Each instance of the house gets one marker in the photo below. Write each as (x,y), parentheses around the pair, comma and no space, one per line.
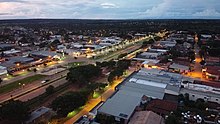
(148,55)
(212,72)
(150,63)
(179,68)
(161,107)
(196,94)
(146,117)
(3,70)
(44,55)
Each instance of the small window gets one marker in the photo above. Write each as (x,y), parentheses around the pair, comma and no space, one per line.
(205,98)
(216,99)
(193,95)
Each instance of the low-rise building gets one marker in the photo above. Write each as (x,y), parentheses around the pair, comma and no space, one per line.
(40,115)
(115,106)
(146,117)
(212,72)
(174,67)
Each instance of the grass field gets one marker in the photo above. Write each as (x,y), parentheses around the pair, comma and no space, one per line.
(16,84)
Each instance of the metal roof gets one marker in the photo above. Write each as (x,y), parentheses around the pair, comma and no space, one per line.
(151,91)
(122,104)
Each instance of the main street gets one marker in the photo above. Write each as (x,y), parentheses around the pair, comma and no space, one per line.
(40,91)
(30,87)
(36,84)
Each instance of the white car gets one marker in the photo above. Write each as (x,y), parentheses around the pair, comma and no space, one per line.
(44,81)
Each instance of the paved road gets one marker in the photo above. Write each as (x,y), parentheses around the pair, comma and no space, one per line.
(22,90)
(69,59)
(40,91)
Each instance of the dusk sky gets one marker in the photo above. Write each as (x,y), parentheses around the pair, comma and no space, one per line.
(110,9)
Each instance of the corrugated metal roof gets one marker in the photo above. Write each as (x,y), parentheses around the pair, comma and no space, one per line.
(122,104)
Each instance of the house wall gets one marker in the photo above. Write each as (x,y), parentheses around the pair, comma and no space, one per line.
(195,96)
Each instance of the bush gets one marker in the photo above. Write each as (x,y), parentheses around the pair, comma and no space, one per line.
(50,90)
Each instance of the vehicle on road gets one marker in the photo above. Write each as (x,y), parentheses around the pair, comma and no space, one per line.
(44,81)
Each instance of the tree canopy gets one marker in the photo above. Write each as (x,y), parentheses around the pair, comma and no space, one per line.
(83,74)
(68,102)
(14,110)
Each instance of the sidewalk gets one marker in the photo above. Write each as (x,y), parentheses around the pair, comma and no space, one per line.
(90,105)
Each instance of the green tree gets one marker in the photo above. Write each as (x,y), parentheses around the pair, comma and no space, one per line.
(1,81)
(114,74)
(123,64)
(191,56)
(83,74)
(14,110)
(50,90)
(68,102)
(172,119)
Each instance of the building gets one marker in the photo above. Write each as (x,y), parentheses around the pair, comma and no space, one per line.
(150,63)
(153,83)
(197,91)
(3,70)
(115,106)
(44,55)
(174,67)
(212,73)
(161,107)
(146,117)
(17,63)
(148,55)
(198,94)
(5,47)
(168,44)
(40,115)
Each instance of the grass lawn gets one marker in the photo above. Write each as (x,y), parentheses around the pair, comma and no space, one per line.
(73,113)
(96,94)
(14,85)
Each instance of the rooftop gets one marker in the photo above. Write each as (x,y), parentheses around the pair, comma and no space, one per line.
(116,106)
(44,53)
(161,106)
(146,117)
(178,66)
(214,70)
(37,113)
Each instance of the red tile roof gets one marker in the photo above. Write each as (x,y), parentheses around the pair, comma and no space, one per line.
(214,70)
(163,107)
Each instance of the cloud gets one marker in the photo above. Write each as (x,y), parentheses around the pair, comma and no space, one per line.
(109,5)
(5,14)
(114,9)
(207,13)
(158,10)
(8,1)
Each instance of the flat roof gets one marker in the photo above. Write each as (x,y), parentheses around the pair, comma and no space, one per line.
(44,53)
(122,104)
(178,66)
(147,82)
(151,61)
(6,45)
(21,59)
(37,113)
(146,117)
(7,64)
(149,91)
(204,93)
